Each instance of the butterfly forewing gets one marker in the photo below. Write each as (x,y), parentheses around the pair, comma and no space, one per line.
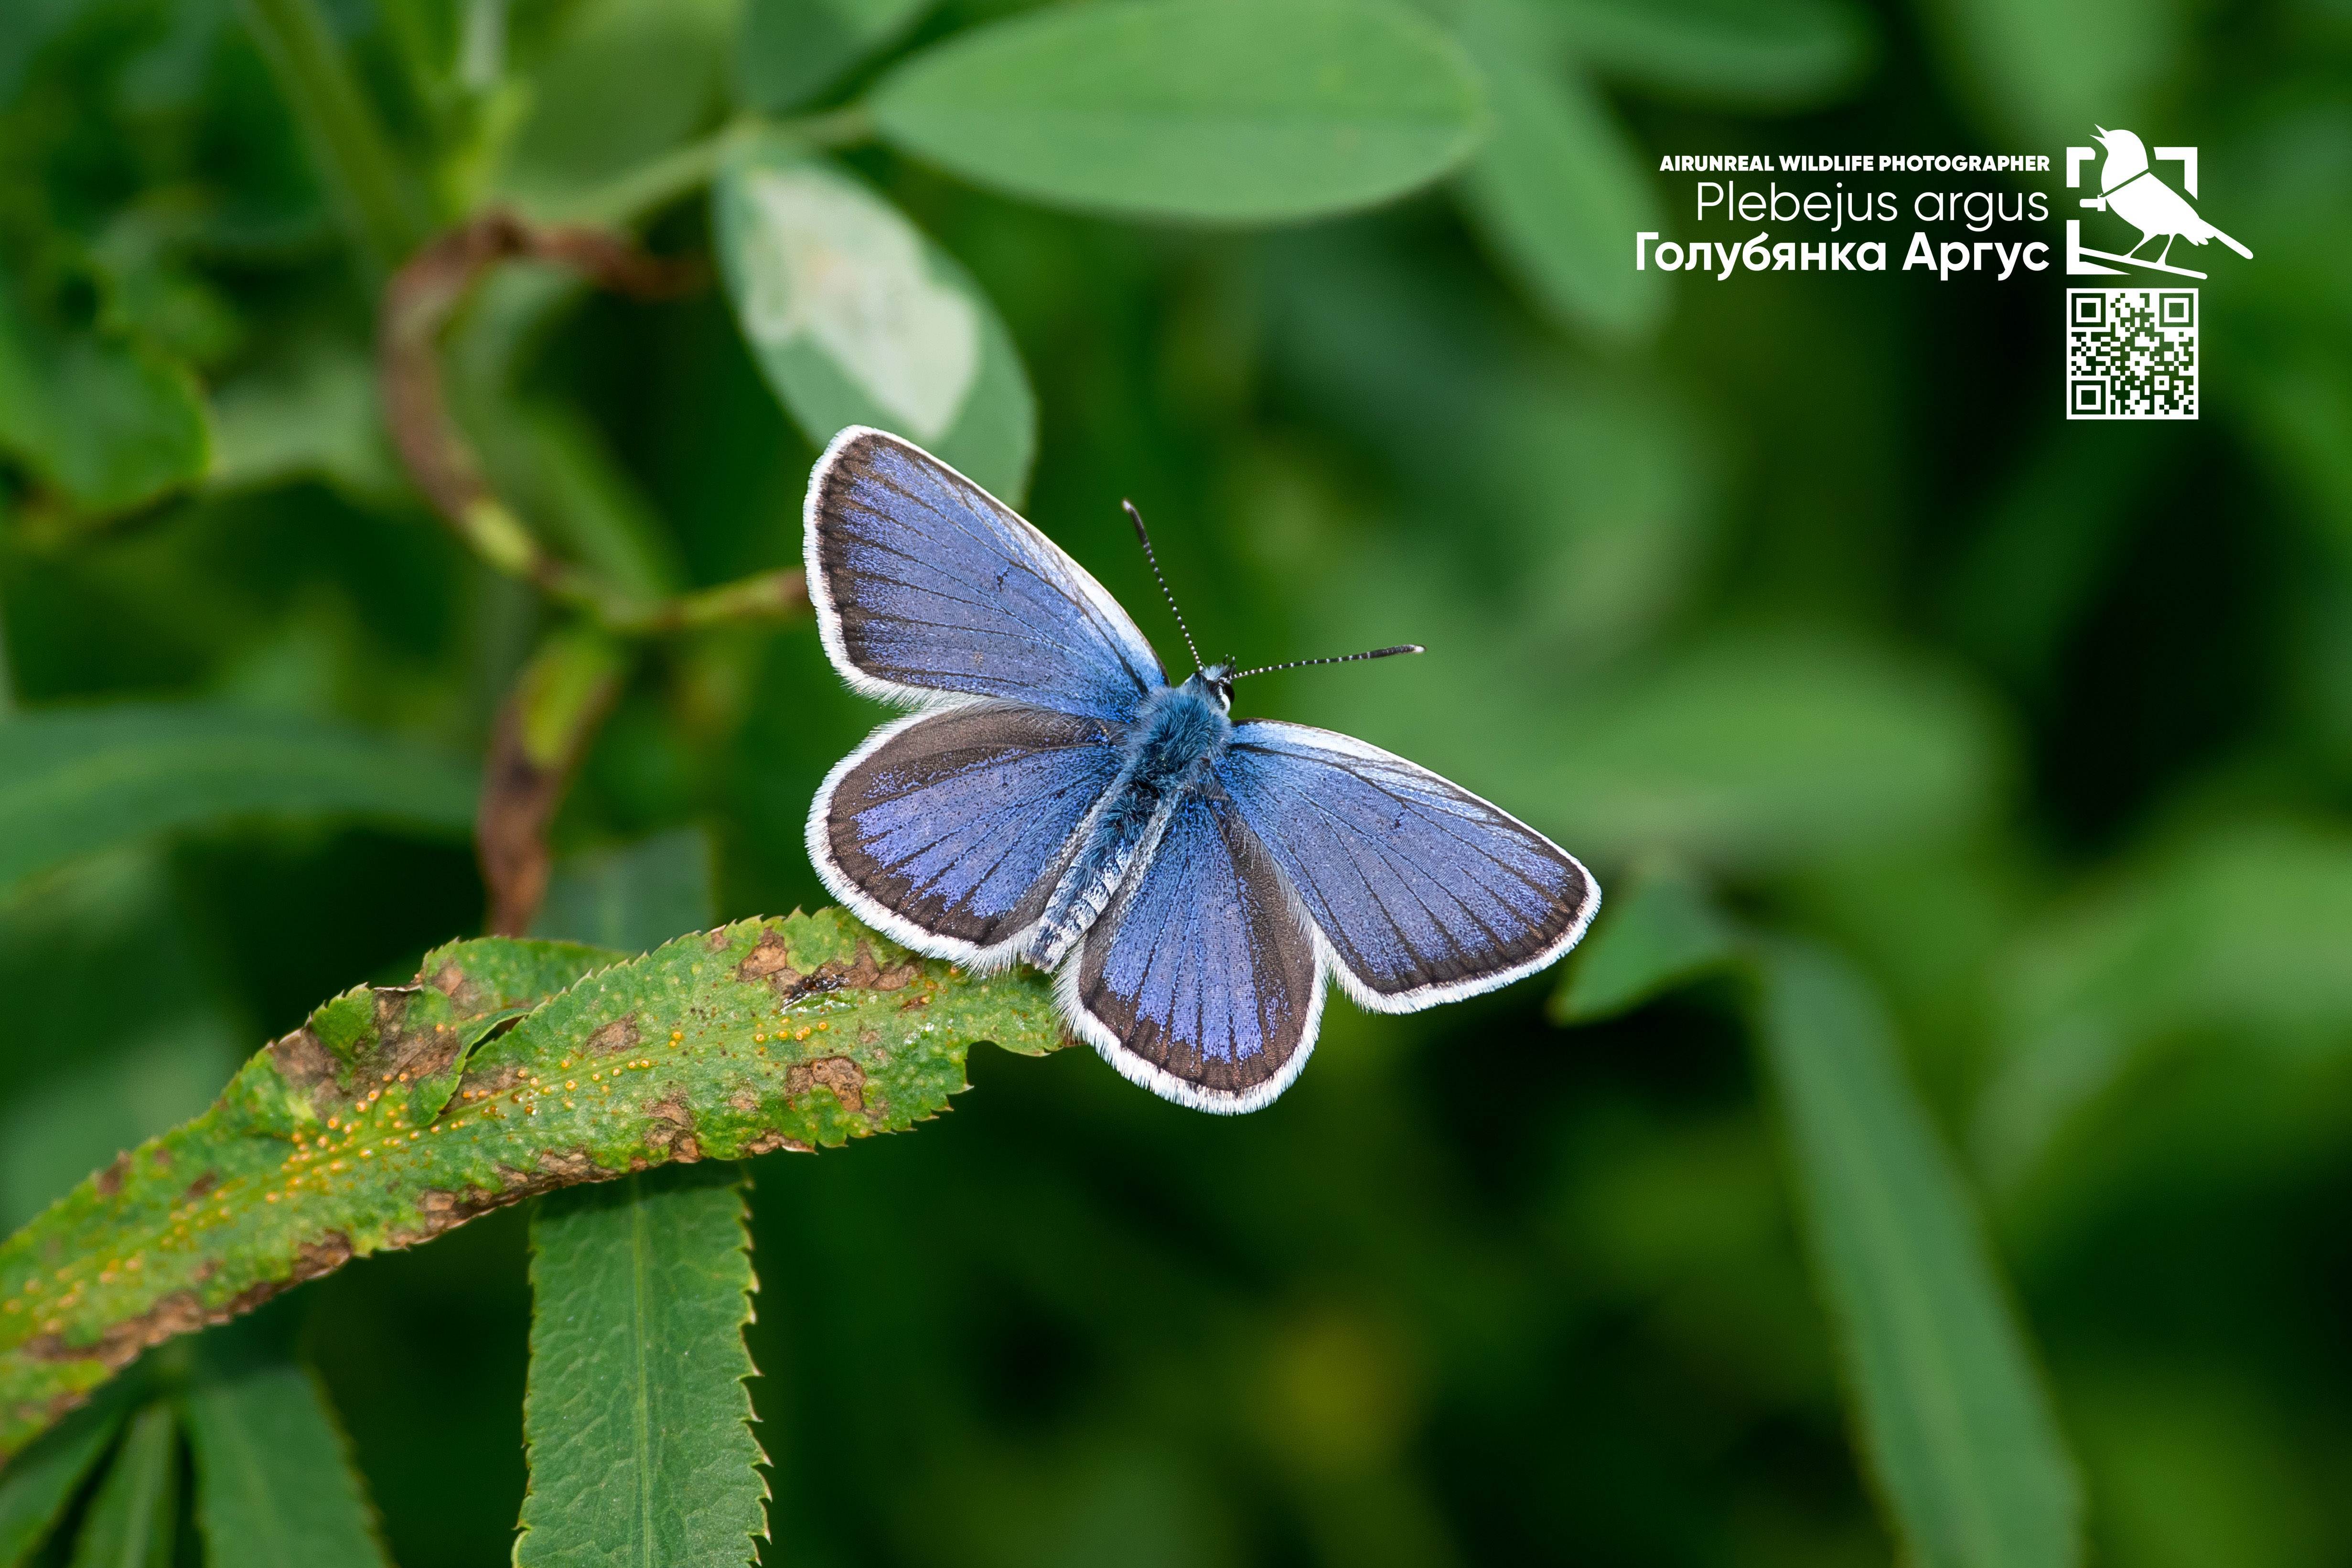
(949,829)
(1200,982)
(927,586)
(1424,892)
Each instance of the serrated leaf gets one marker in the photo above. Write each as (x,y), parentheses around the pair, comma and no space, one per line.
(106,421)
(789,50)
(1953,1419)
(806,1031)
(1662,934)
(1222,110)
(857,318)
(636,1417)
(1775,54)
(73,780)
(135,1519)
(44,1479)
(1555,190)
(276,1487)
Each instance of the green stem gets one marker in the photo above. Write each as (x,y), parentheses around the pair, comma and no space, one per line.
(763,597)
(371,192)
(372,1127)
(645,190)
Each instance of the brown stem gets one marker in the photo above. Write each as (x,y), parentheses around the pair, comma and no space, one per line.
(417,304)
(543,730)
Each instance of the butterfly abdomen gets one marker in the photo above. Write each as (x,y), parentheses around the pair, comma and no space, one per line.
(1172,751)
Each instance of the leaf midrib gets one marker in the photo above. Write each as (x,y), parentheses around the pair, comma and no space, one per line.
(642,1406)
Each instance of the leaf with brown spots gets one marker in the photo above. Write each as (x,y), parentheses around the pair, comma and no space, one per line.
(792,1032)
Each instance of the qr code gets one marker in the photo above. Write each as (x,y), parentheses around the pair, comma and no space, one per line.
(2131,354)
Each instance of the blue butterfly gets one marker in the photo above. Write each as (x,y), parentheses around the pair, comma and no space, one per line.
(1193,880)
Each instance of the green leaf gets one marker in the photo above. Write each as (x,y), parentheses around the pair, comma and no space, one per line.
(135,1519)
(858,319)
(1772,54)
(106,421)
(77,780)
(633,896)
(621,83)
(1662,934)
(790,50)
(371,1127)
(1760,750)
(315,416)
(45,1477)
(2054,70)
(1957,1429)
(1222,110)
(1555,191)
(2240,934)
(276,1487)
(636,1417)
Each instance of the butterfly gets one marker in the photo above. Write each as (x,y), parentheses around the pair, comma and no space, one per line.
(1192,881)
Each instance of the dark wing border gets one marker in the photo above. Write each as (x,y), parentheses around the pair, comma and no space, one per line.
(1117,627)
(1434,993)
(1234,836)
(818,837)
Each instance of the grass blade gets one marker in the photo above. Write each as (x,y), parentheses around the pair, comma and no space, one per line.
(637,1417)
(133,1520)
(1954,1421)
(276,1487)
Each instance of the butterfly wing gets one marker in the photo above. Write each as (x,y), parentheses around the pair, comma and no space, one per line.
(1424,892)
(949,829)
(1200,982)
(926,588)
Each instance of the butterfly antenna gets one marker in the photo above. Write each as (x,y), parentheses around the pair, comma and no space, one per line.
(1137,518)
(1337,659)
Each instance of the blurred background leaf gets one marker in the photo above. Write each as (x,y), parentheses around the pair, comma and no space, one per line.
(858,319)
(74,782)
(1208,110)
(274,1483)
(1776,54)
(1784,600)
(789,50)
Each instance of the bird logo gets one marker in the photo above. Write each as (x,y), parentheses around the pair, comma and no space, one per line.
(2130,188)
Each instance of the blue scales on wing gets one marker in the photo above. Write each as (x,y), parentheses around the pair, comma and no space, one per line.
(1198,981)
(1424,891)
(949,829)
(927,586)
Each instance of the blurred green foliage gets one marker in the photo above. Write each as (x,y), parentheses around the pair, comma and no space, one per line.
(2029,745)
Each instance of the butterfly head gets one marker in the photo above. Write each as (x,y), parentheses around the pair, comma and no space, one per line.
(1217,682)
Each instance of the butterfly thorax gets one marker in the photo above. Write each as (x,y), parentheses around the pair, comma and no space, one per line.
(1169,751)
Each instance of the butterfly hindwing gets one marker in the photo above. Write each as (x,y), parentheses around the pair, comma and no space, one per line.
(1423,892)
(1200,982)
(948,829)
(926,586)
